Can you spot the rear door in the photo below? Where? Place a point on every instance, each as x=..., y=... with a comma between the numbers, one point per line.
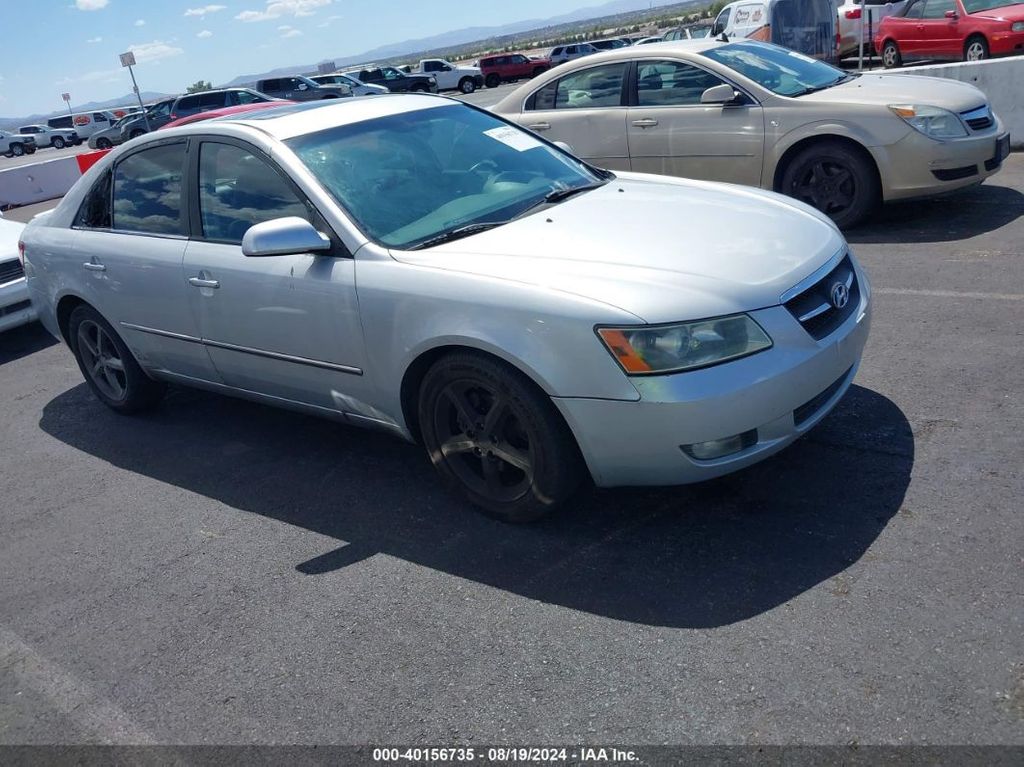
x=587, y=110
x=670, y=132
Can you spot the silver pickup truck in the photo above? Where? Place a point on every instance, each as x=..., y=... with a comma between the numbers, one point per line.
x=16, y=144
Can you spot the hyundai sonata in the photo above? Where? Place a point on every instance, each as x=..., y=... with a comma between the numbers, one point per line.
x=418, y=265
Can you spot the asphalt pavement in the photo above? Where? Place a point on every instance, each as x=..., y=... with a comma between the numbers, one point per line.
x=222, y=572
x=42, y=155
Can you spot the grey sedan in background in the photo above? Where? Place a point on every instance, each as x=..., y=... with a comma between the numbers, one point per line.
x=414, y=264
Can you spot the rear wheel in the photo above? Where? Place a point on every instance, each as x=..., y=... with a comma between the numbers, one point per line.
x=17, y=150
x=891, y=56
x=976, y=49
x=108, y=366
x=833, y=178
x=493, y=80
x=467, y=85
x=58, y=142
x=136, y=133
x=496, y=438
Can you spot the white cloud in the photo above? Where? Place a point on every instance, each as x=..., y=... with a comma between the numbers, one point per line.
x=140, y=23
x=205, y=33
x=330, y=20
x=90, y=77
x=204, y=10
x=94, y=40
x=154, y=51
x=289, y=31
x=277, y=8
x=91, y=5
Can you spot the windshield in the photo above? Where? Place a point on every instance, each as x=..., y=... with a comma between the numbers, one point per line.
x=408, y=178
x=973, y=6
x=778, y=69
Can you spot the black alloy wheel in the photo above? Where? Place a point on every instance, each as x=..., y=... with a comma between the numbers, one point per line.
x=834, y=179
x=496, y=438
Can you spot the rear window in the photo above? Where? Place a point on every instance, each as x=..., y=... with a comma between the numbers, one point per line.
x=60, y=122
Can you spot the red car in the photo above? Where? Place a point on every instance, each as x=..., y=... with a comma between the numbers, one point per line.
x=967, y=30
x=226, y=112
x=511, y=66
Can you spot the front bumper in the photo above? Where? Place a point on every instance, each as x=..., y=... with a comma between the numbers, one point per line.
x=779, y=394
x=916, y=166
x=15, y=307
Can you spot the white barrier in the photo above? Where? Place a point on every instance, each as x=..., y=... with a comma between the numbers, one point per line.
x=1000, y=79
x=26, y=184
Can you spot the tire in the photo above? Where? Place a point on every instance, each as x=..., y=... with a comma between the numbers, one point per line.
x=136, y=133
x=835, y=179
x=539, y=71
x=467, y=85
x=976, y=48
x=419, y=89
x=493, y=80
x=108, y=366
x=17, y=150
x=103, y=143
x=58, y=142
x=329, y=97
x=891, y=56
x=30, y=150
x=495, y=438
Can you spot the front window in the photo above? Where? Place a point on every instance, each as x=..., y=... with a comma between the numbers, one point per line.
x=392, y=74
x=587, y=89
x=782, y=71
x=671, y=83
x=936, y=9
x=410, y=178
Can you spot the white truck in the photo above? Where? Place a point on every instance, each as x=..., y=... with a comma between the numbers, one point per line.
x=449, y=76
x=58, y=138
x=15, y=144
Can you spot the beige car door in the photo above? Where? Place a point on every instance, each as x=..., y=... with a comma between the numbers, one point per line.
x=672, y=133
x=585, y=109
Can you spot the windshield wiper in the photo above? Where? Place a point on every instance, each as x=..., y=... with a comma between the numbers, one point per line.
x=456, y=234
x=557, y=195
x=814, y=89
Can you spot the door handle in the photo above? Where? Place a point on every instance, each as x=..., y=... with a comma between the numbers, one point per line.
x=647, y=122
x=199, y=282
x=92, y=266
x=539, y=126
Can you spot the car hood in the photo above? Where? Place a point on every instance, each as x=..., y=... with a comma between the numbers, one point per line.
x=902, y=89
x=10, y=232
x=662, y=249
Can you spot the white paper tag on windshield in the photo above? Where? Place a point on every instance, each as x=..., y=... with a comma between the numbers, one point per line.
x=517, y=139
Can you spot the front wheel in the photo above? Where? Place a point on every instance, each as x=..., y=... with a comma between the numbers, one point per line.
x=17, y=150
x=891, y=56
x=833, y=178
x=467, y=85
x=976, y=49
x=496, y=438
x=58, y=142
x=136, y=133
x=108, y=366
x=103, y=143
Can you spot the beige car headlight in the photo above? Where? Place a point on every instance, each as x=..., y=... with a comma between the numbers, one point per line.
x=933, y=122
x=650, y=349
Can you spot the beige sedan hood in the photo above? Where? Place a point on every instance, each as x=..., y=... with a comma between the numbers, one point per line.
x=902, y=89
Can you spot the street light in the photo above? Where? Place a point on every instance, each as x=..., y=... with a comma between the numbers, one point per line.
x=128, y=60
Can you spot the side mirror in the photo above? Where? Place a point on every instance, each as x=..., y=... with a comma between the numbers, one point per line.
x=564, y=147
x=720, y=94
x=282, y=237
x=952, y=15
x=303, y=87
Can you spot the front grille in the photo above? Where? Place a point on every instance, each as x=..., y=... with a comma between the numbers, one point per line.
x=10, y=271
x=815, y=309
x=978, y=119
x=810, y=408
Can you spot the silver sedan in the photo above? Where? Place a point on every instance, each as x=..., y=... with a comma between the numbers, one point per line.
x=417, y=265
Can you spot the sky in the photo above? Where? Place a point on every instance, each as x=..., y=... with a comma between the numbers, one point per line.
x=72, y=46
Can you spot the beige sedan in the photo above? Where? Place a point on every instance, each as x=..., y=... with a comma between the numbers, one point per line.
x=754, y=113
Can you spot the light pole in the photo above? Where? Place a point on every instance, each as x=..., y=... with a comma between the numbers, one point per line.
x=67, y=100
x=128, y=60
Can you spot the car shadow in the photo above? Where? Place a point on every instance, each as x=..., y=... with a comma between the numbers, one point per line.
x=698, y=556
x=24, y=340
x=958, y=215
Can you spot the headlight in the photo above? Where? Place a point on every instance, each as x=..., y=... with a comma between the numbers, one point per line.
x=931, y=121
x=1017, y=26
x=643, y=350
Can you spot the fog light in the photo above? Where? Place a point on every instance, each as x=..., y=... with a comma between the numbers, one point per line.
x=719, y=448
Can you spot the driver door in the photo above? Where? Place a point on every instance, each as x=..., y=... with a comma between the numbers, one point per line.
x=282, y=326
x=672, y=133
